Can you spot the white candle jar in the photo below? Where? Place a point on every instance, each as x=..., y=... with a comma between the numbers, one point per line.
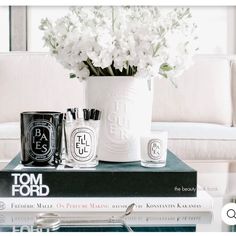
x=154, y=149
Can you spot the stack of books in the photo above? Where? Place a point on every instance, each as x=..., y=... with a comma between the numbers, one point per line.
x=161, y=197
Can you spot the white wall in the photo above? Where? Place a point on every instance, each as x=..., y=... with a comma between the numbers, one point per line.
x=35, y=14
x=215, y=27
x=212, y=29
x=4, y=29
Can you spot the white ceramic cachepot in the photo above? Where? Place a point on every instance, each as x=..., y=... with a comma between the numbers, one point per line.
x=126, y=105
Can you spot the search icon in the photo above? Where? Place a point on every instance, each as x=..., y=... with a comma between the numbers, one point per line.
x=231, y=213
x=228, y=214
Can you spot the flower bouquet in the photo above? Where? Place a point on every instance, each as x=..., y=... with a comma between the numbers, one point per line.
x=112, y=48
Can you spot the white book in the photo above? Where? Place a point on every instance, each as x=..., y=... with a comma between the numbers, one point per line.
x=201, y=203
x=134, y=219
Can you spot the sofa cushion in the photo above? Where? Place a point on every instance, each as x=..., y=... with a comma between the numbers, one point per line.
x=199, y=141
x=9, y=140
x=203, y=94
x=35, y=81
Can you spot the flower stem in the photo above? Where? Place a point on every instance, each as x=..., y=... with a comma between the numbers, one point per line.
x=172, y=81
x=132, y=71
x=101, y=72
x=110, y=70
x=92, y=67
x=127, y=71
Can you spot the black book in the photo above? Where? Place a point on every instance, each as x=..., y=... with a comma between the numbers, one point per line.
x=176, y=179
x=29, y=228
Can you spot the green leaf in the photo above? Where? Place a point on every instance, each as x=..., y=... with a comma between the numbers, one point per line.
x=72, y=76
x=166, y=67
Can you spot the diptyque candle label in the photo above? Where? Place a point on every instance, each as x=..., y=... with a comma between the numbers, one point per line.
x=41, y=140
x=82, y=144
x=154, y=149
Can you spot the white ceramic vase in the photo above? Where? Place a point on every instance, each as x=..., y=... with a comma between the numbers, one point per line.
x=126, y=105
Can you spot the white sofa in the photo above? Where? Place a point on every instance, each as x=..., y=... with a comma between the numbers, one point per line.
x=199, y=115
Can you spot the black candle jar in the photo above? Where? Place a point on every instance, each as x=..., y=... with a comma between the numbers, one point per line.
x=41, y=137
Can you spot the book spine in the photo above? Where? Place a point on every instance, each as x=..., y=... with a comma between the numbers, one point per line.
x=135, y=219
x=105, y=204
x=34, y=229
x=97, y=184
